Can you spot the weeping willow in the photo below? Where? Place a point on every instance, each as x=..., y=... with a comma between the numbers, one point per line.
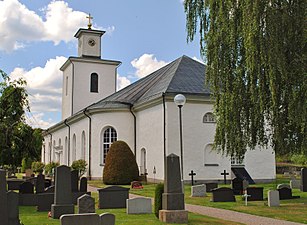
x=255, y=51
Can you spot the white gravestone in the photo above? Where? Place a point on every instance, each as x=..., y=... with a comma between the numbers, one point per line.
x=139, y=205
x=273, y=198
x=198, y=191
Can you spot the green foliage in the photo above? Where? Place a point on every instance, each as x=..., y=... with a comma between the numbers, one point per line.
x=25, y=164
x=158, y=198
x=79, y=165
x=49, y=168
x=38, y=167
x=256, y=68
x=299, y=159
x=120, y=165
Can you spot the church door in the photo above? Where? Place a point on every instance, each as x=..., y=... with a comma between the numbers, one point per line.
x=143, y=168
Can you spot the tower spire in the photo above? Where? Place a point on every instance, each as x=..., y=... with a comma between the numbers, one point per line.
x=89, y=25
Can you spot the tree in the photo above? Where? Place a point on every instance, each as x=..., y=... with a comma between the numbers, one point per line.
x=17, y=139
x=256, y=59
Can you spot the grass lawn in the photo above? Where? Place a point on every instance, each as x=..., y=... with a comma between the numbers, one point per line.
x=291, y=210
x=29, y=216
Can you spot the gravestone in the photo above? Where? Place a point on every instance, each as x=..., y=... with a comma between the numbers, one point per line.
x=74, y=180
x=113, y=197
x=198, y=191
x=107, y=219
x=83, y=184
x=286, y=193
x=86, y=204
x=224, y=174
x=256, y=193
x=139, y=205
x=12, y=207
x=40, y=184
x=80, y=219
x=192, y=174
x=62, y=197
x=279, y=186
x=44, y=202
x=14, y=184
x=295, y=184
x=237, y=186
x=223, y=194
x=26, y=188
x=273, y=198
x=173, y=197
x=50, y=189
x=3, y=199
x=304, y=179
x=211, y=186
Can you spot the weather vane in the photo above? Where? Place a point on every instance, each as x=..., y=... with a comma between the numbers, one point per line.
x=89, y=21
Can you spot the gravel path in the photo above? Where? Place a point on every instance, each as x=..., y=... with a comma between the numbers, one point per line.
x=226, y=214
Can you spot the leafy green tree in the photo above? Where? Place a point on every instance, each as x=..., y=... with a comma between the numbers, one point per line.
x=255, y=53
x=79, y=165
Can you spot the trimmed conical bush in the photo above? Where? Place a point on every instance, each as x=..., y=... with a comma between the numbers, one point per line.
x=120, y=165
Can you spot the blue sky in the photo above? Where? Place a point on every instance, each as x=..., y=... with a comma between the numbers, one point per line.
x=36, y=37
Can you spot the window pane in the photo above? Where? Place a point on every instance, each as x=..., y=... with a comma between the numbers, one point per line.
x=94, y=82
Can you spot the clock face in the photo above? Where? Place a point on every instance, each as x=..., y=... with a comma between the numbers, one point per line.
x=91, y=42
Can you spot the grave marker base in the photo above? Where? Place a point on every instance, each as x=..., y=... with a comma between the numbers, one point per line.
x=173, y=216
x=59, y=210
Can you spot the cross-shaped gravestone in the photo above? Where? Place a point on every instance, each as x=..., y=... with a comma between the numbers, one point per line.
x=224, y=174
x=246, y=196
x=192, y=174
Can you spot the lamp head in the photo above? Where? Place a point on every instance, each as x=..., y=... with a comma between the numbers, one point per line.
x=179, y=100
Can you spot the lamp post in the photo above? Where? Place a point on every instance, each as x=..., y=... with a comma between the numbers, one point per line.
x=180, y=101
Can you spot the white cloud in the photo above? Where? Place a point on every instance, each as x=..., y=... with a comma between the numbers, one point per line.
x=122, y=82
x=146, y=64
x=36, y=120
x=44, y=85
x=19, y=25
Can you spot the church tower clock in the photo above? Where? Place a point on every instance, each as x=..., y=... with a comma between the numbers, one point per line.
x=87, y=78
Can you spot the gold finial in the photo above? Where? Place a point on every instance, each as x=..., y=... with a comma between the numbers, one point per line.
x=89, y=21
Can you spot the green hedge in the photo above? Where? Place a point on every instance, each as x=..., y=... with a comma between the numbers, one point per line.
x=158, y=198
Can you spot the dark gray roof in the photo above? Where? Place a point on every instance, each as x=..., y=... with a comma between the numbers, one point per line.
x=184, y=75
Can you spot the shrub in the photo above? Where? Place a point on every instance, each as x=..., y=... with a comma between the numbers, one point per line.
x=49, y=168
x=79, y=165
x=26, y=164
x=120, y=165
x=38, y=167
x=158, y=198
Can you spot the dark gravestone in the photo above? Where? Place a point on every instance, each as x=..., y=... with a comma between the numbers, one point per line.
x=12, y=207
x=223, y=194
x=3, y=199
x=113, y=197
x=74, y=180
x=86, y=204
x=304, y=179
x=27, y=199
x=256, y=193
x=14, y=184
x=47, y=183
x=173, y=197
x=44, y=202
x=83, y=184
x=285, y=193
x=40, y=184
x=237, y=186
x=62, y=196
x=192, y=174
x=26, y=188
x=211, y=186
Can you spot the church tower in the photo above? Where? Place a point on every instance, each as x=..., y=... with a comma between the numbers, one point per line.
x=87, y=78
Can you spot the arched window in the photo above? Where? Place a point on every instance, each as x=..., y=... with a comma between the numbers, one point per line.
x=83, y=146
x=143, y=168
x=94, y=82
x=74, y=152
x=209, y=118
x=109, y=135
x=65, y=153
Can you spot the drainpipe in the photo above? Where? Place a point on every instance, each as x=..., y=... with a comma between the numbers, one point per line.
x=134, y=130
x=164, y=133
x=50, y=145
x=68, y=144
x=89, y=143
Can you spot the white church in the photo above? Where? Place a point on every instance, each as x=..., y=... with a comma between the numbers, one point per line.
x=143, y=115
